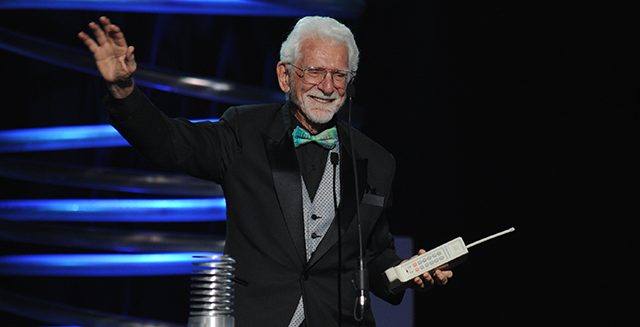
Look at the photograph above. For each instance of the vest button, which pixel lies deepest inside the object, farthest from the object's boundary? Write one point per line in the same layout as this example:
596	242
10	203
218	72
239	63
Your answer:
314	235
314	217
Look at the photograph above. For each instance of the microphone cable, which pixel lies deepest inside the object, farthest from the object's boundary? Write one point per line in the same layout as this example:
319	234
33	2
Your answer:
335	159
362	274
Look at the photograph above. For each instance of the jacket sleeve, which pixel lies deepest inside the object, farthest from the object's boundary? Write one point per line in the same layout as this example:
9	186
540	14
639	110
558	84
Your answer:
381	255
202	149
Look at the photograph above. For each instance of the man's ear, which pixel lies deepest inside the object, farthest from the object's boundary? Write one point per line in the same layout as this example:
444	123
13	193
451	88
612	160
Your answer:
283	76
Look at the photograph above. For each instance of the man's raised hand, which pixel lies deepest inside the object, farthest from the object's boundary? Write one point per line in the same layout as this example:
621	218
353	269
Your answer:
114	58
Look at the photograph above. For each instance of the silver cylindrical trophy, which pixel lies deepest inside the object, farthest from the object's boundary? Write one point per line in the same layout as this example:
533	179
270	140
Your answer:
211	302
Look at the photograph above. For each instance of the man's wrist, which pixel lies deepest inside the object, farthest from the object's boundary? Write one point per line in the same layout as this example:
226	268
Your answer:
121	89
122	83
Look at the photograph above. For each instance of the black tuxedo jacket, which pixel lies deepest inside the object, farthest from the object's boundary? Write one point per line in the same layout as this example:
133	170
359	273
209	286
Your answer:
250	153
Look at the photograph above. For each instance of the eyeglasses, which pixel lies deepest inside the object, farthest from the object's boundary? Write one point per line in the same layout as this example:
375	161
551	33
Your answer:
315	75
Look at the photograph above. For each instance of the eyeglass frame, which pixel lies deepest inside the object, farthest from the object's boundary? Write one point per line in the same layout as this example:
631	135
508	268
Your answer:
348	73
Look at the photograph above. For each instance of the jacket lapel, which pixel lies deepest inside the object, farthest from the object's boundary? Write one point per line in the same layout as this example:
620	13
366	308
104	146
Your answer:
286	178
347	208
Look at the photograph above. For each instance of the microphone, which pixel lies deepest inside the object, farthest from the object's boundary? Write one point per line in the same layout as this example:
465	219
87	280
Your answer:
334	158
362	276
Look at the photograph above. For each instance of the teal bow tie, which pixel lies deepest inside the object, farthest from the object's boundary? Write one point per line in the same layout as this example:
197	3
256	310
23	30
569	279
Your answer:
327	138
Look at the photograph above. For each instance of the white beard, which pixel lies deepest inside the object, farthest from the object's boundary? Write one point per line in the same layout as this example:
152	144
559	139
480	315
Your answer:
316	112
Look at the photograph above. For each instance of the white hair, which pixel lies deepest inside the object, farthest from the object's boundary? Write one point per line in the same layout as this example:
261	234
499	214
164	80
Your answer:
324	27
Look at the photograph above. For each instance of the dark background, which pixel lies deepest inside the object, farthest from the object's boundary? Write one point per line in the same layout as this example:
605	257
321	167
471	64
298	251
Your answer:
499	114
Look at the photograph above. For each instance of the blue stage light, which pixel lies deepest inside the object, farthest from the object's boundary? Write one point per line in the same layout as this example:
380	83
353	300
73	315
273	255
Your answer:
114	210
60	138
63	138
102	264
343	8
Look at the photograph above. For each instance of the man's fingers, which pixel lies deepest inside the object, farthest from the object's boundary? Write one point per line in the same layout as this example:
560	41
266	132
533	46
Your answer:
443	276
115	35
104	20
421	251
445	273
105	33
88	41
428	278
101	38
130	54
109	33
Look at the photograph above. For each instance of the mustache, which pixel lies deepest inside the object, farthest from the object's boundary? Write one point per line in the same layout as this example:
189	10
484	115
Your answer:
332	96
